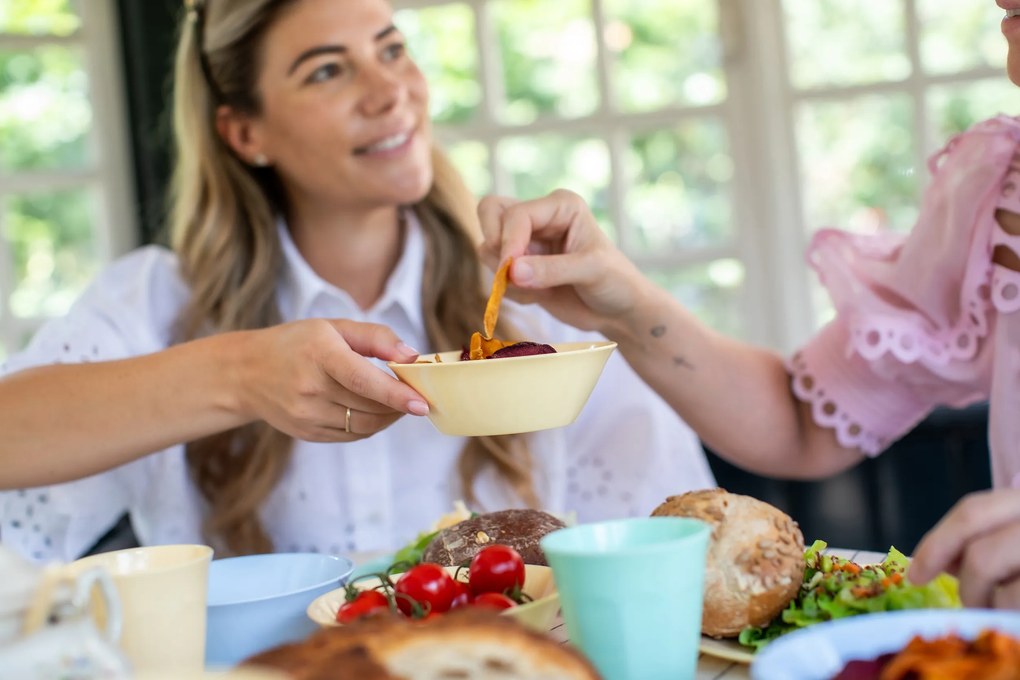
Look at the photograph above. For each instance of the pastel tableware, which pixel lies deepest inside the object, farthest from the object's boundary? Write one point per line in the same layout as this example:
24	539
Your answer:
259	601
820	651
162	591
505	396
539	614
631	593
47	626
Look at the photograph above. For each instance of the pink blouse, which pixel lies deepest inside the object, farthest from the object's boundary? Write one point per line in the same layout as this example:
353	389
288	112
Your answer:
925	319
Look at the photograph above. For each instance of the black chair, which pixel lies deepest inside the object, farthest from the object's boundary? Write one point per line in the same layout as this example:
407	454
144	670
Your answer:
891	500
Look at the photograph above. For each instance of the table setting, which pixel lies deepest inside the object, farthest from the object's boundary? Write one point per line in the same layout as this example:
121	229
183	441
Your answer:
712	585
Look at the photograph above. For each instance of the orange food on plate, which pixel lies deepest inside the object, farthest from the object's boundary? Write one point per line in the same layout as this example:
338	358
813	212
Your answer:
990	656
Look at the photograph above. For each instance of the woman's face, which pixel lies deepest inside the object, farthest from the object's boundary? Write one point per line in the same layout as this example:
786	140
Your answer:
344	109
1011	29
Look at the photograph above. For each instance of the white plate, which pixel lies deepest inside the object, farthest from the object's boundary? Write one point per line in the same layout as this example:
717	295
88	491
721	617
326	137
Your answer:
729	650
820	651
539	614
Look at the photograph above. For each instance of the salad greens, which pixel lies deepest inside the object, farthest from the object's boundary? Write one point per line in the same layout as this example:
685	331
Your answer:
412	552
834	588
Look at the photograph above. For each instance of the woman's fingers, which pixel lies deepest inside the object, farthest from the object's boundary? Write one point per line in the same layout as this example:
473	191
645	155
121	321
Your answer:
989	562
1007	595
367	382
374	340
549	271
973	517
561	218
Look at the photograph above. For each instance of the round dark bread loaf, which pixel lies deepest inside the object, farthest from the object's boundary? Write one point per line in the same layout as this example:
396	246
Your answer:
519	529
755	561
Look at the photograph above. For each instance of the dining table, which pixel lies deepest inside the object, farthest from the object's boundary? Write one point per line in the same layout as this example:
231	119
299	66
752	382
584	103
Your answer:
713	667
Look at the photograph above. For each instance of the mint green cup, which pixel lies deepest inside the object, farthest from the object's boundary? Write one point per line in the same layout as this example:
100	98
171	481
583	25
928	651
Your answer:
631	593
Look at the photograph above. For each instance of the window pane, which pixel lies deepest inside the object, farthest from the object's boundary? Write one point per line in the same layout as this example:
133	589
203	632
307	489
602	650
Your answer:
679	188
857	163
664	52
954	108
845	42
39	17
956	36
45	114
547	51
472	159
538	164
442	42
712	291
50	236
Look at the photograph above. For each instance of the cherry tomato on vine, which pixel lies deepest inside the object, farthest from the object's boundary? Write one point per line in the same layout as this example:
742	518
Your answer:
463	596
366	602
427	584
496	569
493	600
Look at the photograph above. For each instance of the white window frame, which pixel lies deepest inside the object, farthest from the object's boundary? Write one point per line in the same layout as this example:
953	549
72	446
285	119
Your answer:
109	177
759	114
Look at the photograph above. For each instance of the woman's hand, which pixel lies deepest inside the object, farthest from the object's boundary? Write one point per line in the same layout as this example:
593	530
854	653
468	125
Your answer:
978	541
302	378
562	260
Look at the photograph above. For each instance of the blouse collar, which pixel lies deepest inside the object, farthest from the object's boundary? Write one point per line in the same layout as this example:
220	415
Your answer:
301	287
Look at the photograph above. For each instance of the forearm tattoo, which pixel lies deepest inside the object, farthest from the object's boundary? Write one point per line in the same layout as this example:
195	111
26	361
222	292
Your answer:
678	361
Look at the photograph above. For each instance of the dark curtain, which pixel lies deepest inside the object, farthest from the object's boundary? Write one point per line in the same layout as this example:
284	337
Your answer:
148	34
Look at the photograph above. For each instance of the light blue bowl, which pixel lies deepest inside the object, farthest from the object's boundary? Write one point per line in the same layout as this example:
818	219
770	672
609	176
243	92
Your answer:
259	601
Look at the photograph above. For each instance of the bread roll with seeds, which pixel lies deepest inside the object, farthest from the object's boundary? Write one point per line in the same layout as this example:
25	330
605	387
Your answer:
755	558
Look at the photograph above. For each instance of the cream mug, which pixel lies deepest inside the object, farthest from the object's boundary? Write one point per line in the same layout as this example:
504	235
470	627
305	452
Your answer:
162	593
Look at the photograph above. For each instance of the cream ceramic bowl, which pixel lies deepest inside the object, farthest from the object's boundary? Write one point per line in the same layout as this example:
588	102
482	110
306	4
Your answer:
539	614
507	396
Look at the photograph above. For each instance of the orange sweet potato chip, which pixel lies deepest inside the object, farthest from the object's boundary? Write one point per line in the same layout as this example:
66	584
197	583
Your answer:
481	348
496	298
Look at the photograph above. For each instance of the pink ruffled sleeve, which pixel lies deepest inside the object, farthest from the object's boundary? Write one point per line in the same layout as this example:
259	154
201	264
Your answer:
924	319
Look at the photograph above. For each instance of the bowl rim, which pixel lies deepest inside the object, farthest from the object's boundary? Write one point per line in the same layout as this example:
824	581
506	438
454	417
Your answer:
582	347
342	577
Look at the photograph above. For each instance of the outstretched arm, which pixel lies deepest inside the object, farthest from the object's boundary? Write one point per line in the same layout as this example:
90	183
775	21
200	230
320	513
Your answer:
736	396
66	421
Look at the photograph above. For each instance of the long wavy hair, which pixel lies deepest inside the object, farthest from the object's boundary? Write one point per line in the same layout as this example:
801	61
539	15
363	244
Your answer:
223	216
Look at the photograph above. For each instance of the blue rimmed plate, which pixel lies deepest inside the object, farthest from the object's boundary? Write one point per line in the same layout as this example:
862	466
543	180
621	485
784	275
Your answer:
821	651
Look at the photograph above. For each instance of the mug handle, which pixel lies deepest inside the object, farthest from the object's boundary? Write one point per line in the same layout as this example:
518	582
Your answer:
86	583
56	577
53	577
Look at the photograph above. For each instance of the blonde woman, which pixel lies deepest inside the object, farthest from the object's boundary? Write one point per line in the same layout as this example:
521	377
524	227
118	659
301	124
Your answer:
228	390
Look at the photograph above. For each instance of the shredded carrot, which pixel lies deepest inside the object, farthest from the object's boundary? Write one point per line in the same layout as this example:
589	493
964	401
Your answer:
991	656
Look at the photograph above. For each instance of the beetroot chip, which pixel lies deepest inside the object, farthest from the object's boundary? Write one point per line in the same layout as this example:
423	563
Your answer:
522	349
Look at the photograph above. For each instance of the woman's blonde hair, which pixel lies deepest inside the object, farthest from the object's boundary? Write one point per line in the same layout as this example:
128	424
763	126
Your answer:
223	227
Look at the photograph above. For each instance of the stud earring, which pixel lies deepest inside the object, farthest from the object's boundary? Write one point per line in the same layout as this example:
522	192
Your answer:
260	160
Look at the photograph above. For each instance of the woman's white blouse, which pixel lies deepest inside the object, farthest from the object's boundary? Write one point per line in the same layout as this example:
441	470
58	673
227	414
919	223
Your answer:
624	454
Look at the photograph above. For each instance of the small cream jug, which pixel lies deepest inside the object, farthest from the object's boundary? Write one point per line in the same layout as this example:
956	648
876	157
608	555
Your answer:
47	628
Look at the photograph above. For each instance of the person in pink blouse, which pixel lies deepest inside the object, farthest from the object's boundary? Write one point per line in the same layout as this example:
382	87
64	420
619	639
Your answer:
923	320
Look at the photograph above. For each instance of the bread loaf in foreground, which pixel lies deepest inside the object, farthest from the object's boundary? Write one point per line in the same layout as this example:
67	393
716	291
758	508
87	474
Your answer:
468	644
520	529
755	558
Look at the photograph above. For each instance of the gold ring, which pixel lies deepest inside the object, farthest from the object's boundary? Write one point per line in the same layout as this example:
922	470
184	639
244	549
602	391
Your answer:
347	421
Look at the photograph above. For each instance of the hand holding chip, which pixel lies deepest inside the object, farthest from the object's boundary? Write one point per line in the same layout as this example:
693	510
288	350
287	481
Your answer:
560	258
